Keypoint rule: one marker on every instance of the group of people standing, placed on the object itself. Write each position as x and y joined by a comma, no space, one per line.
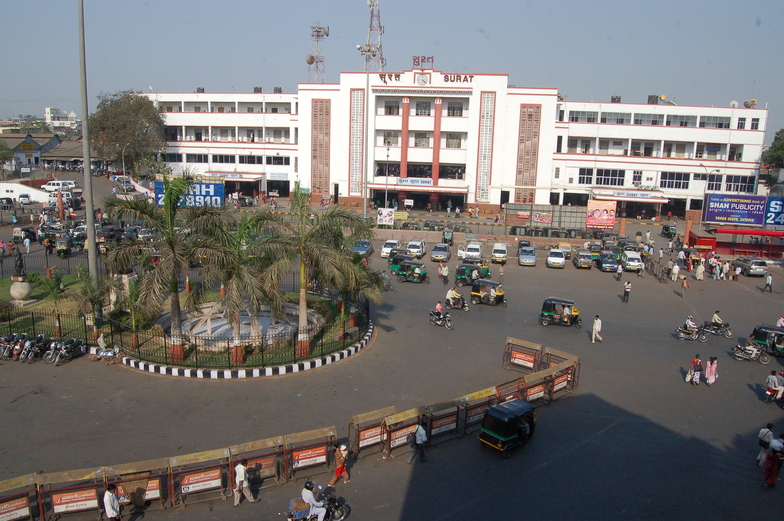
697,369
769,457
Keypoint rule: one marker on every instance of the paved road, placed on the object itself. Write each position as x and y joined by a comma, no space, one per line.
634,441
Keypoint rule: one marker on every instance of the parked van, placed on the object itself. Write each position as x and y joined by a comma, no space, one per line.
473,250
53,196
58,186
124,183
631,261
499,253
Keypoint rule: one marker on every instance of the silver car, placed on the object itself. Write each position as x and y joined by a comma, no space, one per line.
527,256
751,266
556,259
440,253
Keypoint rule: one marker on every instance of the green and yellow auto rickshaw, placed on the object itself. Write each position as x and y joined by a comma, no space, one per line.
62,246
482,264
508,425
396,261
560,312
412,271
448,237
464,274
484,291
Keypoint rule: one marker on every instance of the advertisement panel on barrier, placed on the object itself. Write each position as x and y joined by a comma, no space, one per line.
308,457
735,209
398,437
370,436
560,381
201,194
75,501
534,393
198,481
543,217
443,424
14,509
475,414
386,216
151,492
522,359
774,212
600,215
263,467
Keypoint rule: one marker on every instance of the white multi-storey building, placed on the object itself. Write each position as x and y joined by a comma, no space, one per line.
471,139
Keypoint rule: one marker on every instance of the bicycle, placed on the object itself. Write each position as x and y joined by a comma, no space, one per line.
388,286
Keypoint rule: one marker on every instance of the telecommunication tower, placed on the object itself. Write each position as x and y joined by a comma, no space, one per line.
375,30
315,60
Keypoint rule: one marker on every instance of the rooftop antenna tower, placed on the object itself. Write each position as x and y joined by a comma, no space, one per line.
375,61
315,60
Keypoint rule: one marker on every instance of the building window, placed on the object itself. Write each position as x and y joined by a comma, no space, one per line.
422,108
454,109
610,177
197,158
586,176
619,118
637,177
451,171
421,140
223,158
453,141
391,108
754,123
649,119
714,182
557,174
559,144
251,160
415,170
740,183
714,122
741,123
278,160
677,180
171,158
391,138
676,120
583,116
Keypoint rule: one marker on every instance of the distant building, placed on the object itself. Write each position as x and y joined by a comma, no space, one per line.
60,121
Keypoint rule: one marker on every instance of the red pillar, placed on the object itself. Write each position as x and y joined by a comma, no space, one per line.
436,140
406,108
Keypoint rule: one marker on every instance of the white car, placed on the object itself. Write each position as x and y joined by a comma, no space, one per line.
473,250
417,248
388,246
556,259
631,261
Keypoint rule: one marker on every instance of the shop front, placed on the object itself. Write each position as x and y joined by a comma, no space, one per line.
640,204
419,194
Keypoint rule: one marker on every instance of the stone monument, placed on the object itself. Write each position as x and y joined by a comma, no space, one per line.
20,289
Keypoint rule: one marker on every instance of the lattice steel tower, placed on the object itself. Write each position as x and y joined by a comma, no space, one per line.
315,60
375,30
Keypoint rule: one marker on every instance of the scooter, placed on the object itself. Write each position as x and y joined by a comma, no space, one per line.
335,512
445,320
751,353
770,395
722,329
460,305
18,346
686,334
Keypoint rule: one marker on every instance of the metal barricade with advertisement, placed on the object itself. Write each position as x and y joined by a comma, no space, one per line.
364,430
264,457
522,355
307,449
443,419
396,427
140,484
19,498
474,406
197,474
61,493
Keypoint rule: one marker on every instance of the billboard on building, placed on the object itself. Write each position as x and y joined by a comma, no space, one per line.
386,216
600,215
735,209
201,194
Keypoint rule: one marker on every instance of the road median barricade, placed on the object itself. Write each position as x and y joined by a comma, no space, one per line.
200,474
264,457
396,428
364,431
308,449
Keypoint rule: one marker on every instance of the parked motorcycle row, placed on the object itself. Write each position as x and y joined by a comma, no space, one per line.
28,349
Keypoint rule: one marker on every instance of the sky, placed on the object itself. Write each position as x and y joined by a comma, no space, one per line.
696,52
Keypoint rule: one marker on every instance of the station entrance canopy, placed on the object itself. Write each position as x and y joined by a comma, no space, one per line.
637,196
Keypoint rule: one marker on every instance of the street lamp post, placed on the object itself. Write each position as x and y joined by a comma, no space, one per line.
123,157
707,182
386,183
366,51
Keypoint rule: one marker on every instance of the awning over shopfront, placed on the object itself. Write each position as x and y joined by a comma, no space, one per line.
235,176
637,196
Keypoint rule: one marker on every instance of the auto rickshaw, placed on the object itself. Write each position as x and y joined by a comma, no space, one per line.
769,338
489,292
464,274
21,232
411,271
448,237
62,246
669,231
508,425
396,261
482,264
560,312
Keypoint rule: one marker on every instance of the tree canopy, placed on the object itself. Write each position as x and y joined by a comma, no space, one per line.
35,126
126,124
774,156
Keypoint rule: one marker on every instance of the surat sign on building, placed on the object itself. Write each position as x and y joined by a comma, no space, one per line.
735,209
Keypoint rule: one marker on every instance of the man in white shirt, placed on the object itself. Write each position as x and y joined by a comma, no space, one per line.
420,438
110,502
241,485
773,382
316,507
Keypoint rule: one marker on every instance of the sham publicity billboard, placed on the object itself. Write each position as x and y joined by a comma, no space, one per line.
747,210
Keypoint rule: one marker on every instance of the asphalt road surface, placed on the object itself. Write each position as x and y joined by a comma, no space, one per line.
633,442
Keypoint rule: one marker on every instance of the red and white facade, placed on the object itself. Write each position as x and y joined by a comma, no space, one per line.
471,139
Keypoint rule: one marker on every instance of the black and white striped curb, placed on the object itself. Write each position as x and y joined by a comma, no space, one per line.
226,374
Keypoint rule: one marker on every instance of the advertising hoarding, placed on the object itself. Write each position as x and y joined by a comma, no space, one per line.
600,215
201,194
735,209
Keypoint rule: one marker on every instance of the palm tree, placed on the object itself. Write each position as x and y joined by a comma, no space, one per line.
180,235
138,310
364,284
313,242
54,292
91,296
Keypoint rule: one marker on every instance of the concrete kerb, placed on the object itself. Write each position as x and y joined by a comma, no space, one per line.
228,374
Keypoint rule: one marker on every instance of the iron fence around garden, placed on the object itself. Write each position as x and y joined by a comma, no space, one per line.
17,321
36,262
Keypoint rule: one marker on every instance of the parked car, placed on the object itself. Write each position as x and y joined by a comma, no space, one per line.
364,248
144,234
582,259
473,250
24,199
607,261
751,266
631,261
440,253
388,246
555,259
526,256
417,248
499,253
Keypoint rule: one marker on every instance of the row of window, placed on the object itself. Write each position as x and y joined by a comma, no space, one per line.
673,120
228,158
424,108
422,139
421,170
675,180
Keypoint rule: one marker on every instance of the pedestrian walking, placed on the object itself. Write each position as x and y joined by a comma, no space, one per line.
737,273
684,287
627,290
773,461
440,270
445,274
111,504
648,236
448,207
501,273
696,370
241,486
661,254
597,330
675,270
619,272
26,243
699,273
669,247
341,454
420,438
768,282
711,371
765,437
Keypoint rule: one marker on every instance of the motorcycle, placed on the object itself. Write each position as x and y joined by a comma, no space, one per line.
718,329
445,320
28,347
684,333
750,353
67,350
18,346
770,395
335,512
7,346
462,304
37,350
